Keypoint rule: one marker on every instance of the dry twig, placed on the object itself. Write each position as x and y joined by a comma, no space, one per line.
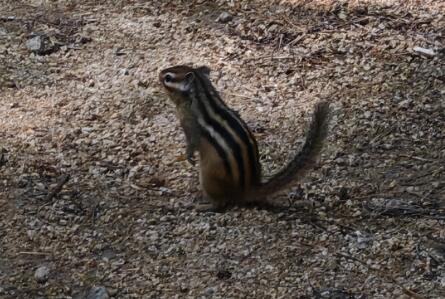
62,181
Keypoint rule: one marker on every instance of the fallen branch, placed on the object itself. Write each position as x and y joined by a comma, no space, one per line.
33,253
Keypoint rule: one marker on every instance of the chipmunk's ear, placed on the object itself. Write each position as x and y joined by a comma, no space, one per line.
187,83
204,70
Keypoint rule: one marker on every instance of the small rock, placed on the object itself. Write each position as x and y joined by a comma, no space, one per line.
224,17
31,234
98,293
363,240
387,146
40,44
367,114
342,16
340,161
209,291
410,189
41,274
3,32
334,293
35,44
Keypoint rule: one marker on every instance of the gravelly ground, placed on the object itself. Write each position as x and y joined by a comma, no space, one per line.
124,220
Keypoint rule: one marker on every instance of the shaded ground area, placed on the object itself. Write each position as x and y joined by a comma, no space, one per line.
93,184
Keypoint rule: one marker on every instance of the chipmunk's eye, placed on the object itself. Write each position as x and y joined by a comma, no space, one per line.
168,78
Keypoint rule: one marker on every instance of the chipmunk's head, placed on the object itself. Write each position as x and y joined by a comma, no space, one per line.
180,80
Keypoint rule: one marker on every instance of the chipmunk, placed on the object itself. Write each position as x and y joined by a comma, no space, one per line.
230,171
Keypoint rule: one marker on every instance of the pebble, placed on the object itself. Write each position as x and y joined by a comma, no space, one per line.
98,292
224,17
31,234
41,274
3,32
40,44
209,291
35,43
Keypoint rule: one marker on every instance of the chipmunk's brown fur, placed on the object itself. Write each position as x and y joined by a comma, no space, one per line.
230,168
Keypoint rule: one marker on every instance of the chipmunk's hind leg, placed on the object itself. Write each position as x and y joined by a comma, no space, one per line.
218,195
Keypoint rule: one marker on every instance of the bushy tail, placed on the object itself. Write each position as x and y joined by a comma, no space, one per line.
304,160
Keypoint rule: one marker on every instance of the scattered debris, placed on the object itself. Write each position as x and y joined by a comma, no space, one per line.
123,220
7,18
